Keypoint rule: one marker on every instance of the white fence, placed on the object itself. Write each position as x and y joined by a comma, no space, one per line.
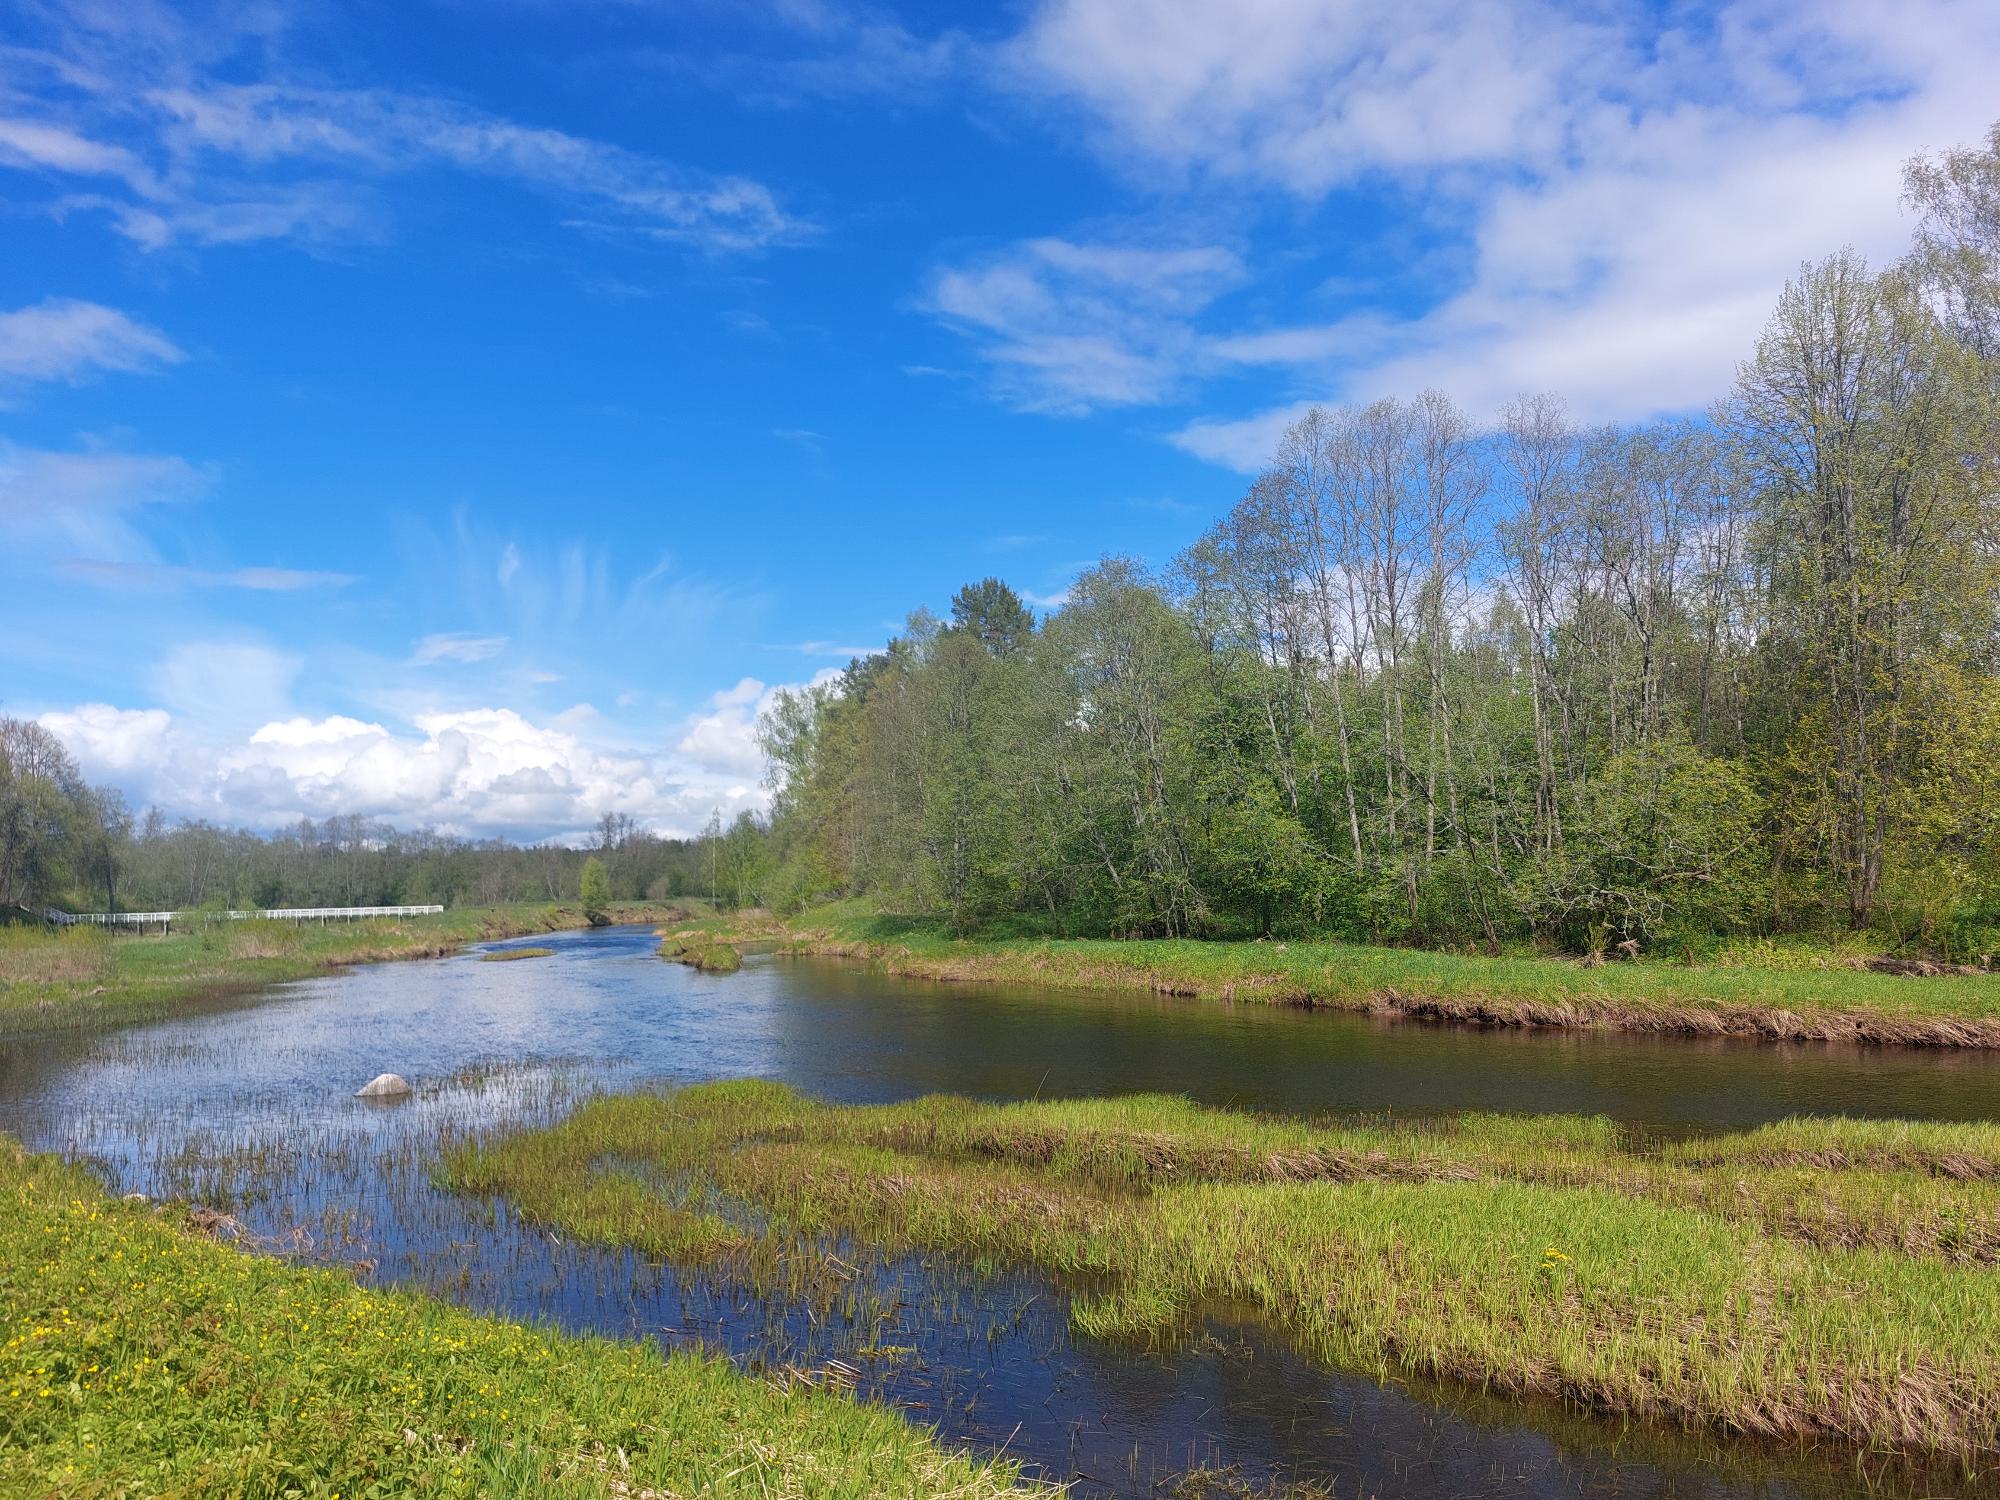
166,919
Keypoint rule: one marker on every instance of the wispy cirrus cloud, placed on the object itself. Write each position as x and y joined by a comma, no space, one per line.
169,575
132,120
57,504
1610,200
456,646
65,339
1069,326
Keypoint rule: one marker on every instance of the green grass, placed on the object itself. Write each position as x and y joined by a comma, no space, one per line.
510,955
700,951
142,1360
1833,1002
84,976
1720,1286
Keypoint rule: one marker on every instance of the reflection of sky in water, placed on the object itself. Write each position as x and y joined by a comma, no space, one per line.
254,1103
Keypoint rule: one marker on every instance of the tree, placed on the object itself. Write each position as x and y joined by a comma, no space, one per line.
992,614
594,891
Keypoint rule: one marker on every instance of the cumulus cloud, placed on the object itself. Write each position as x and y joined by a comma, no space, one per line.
724,739
113,743
479,771
61,338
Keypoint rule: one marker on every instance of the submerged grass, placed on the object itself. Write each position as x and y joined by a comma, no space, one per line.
1716,1286
141,1358
509,955
1836,1003
52,981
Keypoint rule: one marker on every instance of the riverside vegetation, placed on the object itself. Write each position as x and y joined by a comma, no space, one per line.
1753,989
1809,1279
141,1357
82,976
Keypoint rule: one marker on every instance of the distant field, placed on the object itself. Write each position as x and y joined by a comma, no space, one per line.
1768,992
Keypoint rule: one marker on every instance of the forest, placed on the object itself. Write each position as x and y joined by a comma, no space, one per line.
1437,681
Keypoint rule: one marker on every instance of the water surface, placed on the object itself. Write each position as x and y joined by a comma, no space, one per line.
252,1106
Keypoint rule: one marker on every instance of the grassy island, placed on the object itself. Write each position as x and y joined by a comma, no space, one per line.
1812,1279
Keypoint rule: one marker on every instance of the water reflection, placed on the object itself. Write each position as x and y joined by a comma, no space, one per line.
251,1107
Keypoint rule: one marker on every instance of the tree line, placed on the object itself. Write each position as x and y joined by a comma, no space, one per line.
1432,681
70,845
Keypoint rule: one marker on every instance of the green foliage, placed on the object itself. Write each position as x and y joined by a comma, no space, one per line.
1662,845
594,892
1671,685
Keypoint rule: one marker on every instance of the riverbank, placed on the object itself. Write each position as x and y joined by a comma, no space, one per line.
54,981
1774,995
1811,1280
144,1357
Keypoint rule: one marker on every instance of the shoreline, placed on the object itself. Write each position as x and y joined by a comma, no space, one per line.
1860,1008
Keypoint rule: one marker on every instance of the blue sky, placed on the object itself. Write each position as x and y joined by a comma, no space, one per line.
467,414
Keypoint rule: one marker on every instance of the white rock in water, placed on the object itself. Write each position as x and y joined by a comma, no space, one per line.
382,1086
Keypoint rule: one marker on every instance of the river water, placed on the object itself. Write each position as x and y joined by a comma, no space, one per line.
250,1106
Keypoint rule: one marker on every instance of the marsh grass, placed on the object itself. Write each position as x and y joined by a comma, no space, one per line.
1716,1286
141,1357
701,951
510,955
53,981
1787,999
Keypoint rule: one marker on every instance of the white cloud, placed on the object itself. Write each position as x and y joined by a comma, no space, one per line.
164,575
134,121
456,646
1069,327
725,738
114,742
1624,191
1307,94
479,771
61,338
79,502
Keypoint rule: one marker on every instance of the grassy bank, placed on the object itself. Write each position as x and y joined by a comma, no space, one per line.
1767,993
141,1359
1816,1279
83,976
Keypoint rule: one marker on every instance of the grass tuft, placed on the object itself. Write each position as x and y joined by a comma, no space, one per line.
510,955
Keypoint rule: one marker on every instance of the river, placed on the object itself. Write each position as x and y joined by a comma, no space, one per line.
250,1106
